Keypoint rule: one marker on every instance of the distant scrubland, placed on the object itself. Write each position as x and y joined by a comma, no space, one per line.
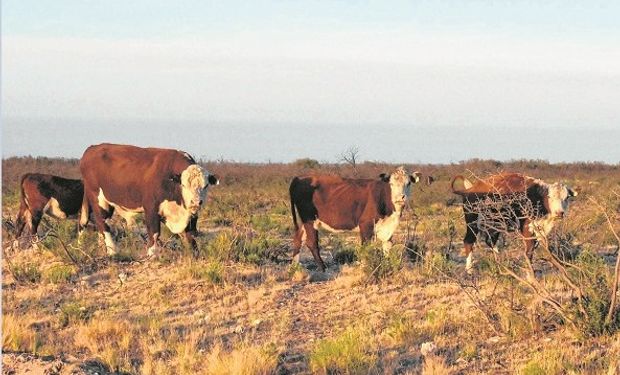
242,307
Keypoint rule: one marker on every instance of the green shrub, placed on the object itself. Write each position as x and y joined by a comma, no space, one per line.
437,263
415,249
26,272
59,274
348,353
595,280
213,272
377,265
343,253
547,362
307,163
401,329
244,247
73,312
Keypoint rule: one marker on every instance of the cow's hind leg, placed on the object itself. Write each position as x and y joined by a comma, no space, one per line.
298,240
101,212
23,219
33,225
312,240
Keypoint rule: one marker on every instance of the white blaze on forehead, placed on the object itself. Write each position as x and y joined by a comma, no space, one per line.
558,198
399,186
193,185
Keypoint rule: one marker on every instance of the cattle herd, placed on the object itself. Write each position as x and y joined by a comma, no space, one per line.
169,187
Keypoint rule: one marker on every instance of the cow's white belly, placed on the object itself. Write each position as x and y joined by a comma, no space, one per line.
385,228
128,215
125,212
52,208
318,224
176,216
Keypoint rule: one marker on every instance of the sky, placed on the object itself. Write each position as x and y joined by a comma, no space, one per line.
404,81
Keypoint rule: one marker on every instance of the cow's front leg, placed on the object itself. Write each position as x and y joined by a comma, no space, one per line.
470,239
190,232
298,240
387,246
153,226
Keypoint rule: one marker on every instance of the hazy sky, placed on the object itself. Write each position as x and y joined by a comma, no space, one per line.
170,66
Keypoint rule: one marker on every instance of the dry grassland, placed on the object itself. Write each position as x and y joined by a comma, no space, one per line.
242,308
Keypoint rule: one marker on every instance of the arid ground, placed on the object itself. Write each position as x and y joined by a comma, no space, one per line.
242,307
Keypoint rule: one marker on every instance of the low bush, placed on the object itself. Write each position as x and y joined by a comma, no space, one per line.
109,340
60,273
377,264
26,272
347,353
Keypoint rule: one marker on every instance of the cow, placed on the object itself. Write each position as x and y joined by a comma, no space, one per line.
166,185
371,206
510,202
46,194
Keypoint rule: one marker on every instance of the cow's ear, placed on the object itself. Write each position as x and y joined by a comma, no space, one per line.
415,177
176,178
385,177
572,193
213,180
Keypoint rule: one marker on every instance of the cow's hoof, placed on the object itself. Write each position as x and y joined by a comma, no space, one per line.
152,251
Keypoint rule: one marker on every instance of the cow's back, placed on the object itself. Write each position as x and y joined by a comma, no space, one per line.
500,184
128,173
337,201
39,188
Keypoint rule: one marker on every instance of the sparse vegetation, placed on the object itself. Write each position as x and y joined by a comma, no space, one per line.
242,307
347,353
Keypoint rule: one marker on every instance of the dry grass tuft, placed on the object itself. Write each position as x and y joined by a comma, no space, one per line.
247,360
435,365
19,335
109,341
348,353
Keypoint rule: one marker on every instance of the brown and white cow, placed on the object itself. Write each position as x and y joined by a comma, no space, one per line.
372,207
510,202
166,185
46,194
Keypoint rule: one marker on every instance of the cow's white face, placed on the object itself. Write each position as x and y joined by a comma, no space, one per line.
400,185
558,198
194,187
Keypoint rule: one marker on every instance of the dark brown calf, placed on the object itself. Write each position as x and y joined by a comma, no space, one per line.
46,194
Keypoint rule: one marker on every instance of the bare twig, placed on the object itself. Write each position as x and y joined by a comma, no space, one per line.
614,289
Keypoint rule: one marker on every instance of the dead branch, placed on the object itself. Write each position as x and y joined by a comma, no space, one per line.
614,289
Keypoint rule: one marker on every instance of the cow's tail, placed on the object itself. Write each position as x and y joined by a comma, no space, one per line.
20,222
460,184
293,211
